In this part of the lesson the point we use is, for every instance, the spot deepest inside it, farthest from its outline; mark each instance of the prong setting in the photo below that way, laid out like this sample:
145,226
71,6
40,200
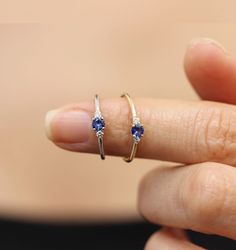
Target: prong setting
137,131
98,125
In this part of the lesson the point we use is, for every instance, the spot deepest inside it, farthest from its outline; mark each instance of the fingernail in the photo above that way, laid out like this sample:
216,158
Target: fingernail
48,121
67,126
206,40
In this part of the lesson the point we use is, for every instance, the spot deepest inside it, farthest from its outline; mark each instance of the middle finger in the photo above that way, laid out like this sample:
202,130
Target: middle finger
200,197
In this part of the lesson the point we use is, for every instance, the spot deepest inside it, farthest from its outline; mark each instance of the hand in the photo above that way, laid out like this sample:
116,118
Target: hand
200,193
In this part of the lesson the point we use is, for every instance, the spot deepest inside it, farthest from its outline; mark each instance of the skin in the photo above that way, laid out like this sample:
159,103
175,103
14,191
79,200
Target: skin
199,192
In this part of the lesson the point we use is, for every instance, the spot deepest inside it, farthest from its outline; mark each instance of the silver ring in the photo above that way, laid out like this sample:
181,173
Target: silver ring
98,125
137,129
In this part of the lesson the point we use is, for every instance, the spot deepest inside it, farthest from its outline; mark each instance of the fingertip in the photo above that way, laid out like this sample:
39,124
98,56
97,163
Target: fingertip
211,70
205,59
206,41
170,238
68,126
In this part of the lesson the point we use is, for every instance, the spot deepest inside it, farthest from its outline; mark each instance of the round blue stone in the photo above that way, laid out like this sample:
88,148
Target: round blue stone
137,131
98,124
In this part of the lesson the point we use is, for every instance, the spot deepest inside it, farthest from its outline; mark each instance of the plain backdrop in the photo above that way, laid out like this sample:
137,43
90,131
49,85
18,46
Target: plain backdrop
56,52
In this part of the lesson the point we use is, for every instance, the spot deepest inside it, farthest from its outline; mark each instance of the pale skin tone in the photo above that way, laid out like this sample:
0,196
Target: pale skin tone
199,192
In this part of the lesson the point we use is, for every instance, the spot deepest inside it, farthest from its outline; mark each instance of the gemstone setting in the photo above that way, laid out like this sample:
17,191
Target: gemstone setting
137,131
98,124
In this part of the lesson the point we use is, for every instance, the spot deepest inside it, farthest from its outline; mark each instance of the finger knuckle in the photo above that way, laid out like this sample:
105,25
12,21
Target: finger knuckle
217,134
207,189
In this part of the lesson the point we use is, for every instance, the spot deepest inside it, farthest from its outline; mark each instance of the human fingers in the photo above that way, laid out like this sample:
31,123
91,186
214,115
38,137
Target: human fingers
179,131
199,197
211,70
170,239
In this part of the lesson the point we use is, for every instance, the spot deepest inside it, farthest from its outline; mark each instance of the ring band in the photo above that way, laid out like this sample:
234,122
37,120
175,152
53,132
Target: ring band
98,125
137,129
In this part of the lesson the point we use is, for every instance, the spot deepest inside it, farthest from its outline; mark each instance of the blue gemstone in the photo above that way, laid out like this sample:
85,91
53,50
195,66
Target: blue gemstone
137,131
98,124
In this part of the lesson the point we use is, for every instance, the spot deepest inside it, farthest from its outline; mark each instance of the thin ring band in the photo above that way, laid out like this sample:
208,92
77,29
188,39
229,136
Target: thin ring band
137,129
98,125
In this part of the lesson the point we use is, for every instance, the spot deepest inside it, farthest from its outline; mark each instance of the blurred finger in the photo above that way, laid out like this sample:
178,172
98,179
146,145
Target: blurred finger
200,197
211,70
170,239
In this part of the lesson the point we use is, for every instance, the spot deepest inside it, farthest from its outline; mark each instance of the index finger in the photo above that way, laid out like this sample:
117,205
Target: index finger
179,131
